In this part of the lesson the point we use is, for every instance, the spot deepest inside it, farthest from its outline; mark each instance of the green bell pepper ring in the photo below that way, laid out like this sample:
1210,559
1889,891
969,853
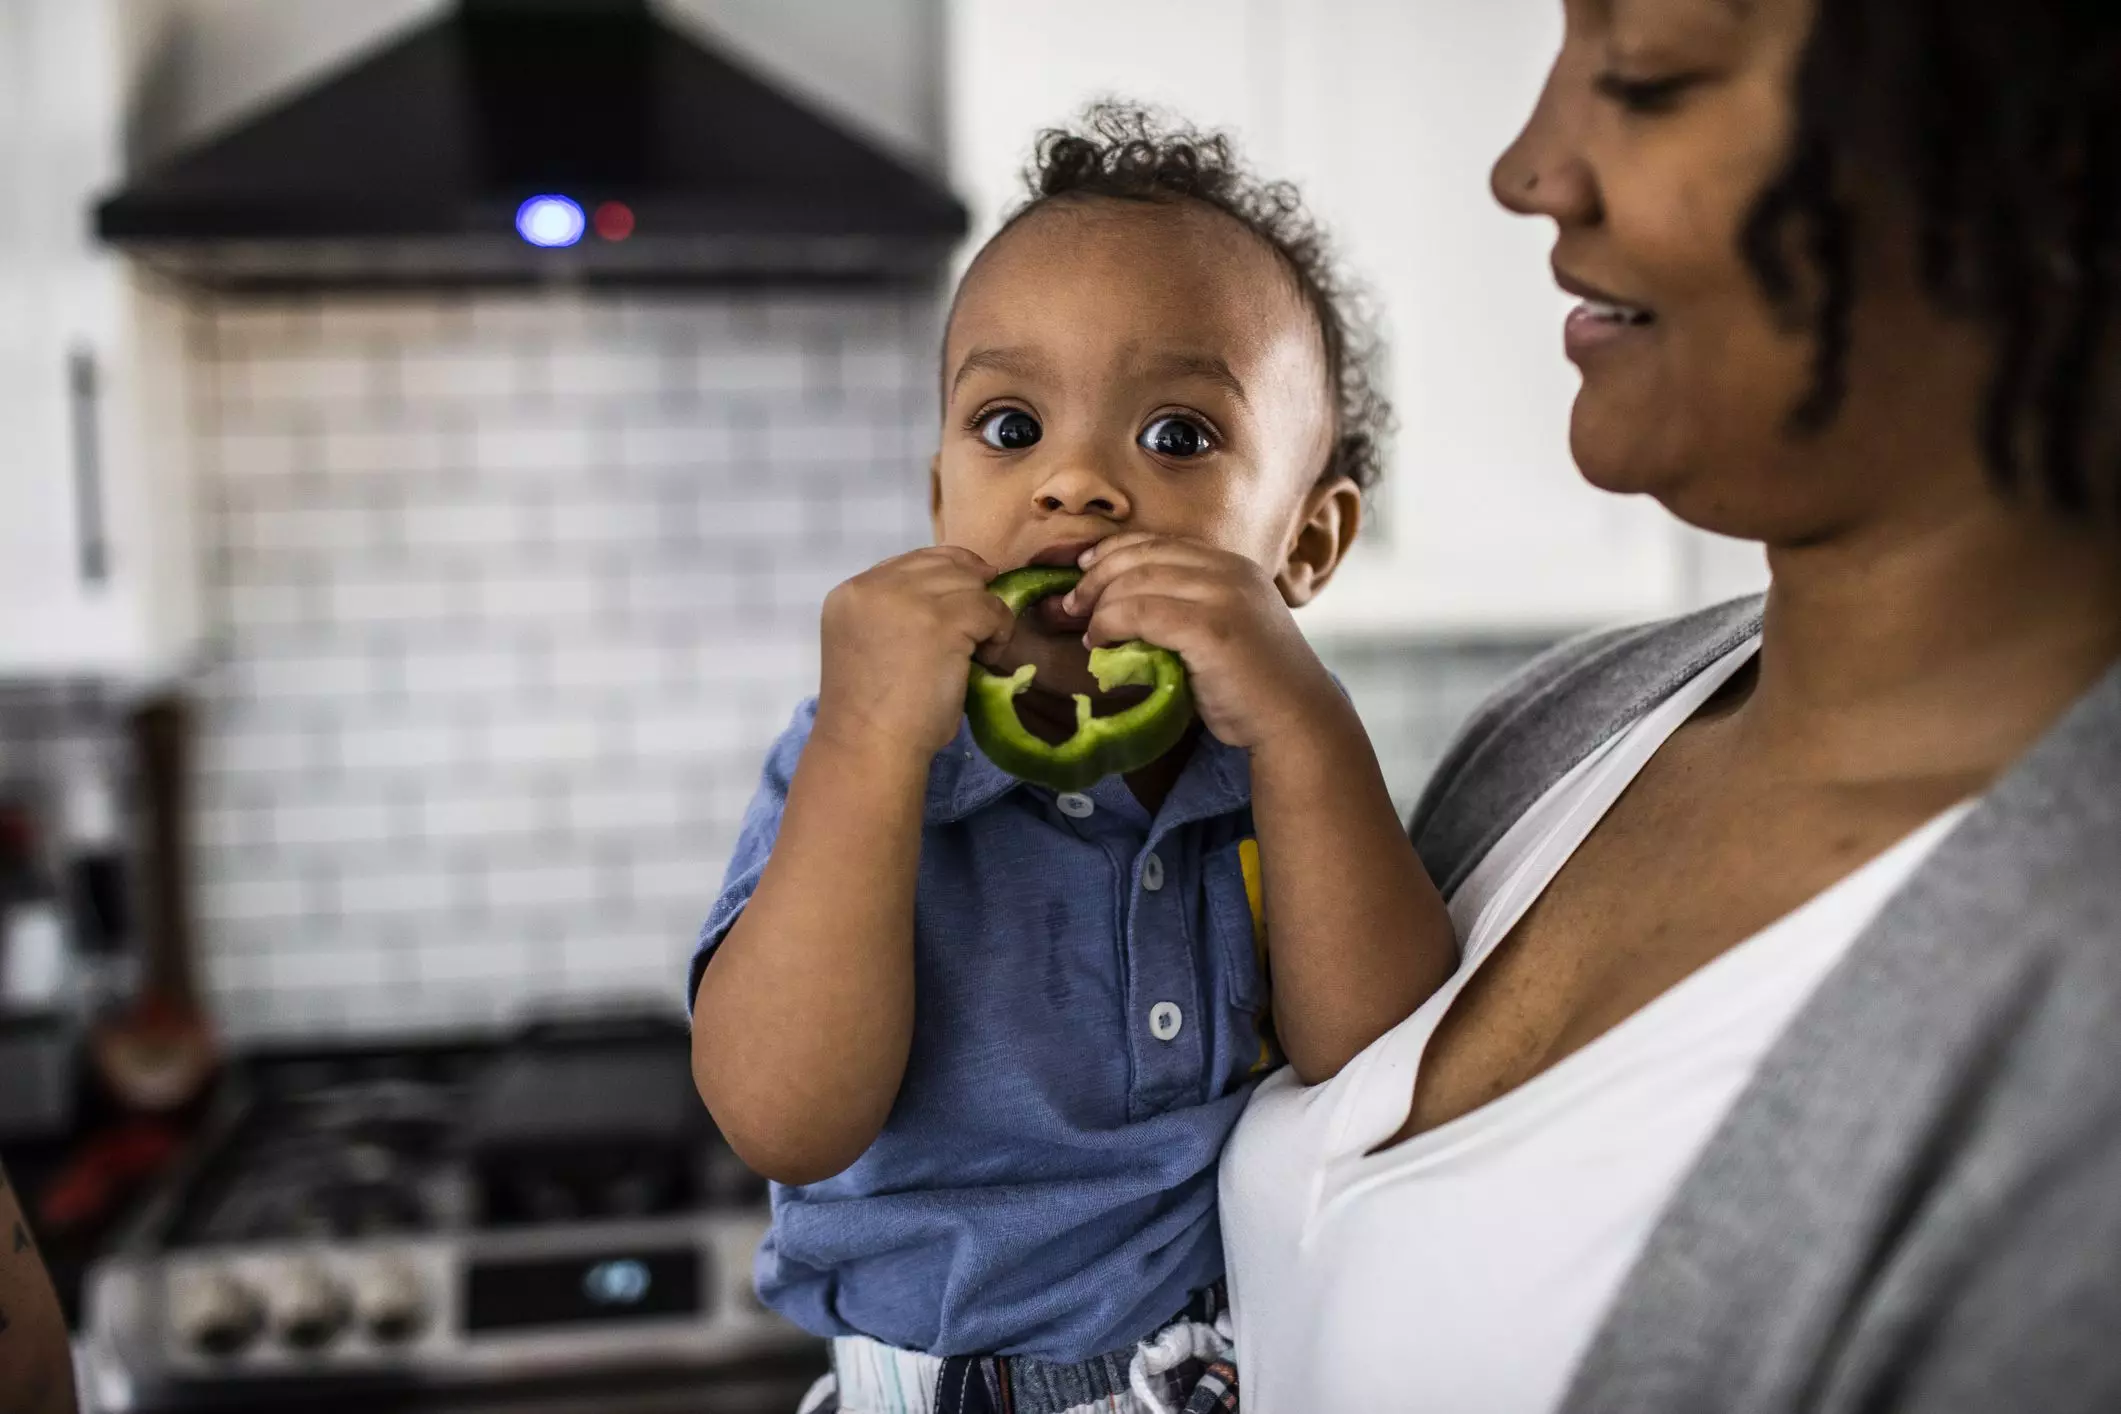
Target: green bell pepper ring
1102,746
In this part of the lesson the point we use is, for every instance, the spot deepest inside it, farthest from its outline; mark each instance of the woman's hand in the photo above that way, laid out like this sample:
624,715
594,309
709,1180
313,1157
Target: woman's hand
895,644
1255,679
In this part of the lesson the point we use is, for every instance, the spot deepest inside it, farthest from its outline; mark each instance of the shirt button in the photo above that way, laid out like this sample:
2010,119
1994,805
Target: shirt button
1165,1019
1076,806
1152,873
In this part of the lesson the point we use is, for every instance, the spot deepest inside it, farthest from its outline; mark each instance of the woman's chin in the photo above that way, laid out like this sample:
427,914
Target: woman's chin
1617,451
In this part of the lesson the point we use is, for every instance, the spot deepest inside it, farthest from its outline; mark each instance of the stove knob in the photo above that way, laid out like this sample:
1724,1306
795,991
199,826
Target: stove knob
392,1305
309,1309
214,1313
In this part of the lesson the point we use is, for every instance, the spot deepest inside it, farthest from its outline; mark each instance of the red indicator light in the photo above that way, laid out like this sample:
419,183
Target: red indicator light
614,220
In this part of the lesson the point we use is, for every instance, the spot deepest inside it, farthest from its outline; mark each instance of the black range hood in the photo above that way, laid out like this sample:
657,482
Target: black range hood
419,165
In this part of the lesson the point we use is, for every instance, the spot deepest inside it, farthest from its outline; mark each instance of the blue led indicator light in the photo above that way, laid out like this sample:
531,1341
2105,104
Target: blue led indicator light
550,221
622,1282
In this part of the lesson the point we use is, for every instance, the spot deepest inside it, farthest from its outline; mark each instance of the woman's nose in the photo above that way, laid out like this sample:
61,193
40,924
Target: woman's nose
1080,489
1544,172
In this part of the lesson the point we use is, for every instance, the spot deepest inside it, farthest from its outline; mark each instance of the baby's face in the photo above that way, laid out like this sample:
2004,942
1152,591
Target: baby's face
1117,366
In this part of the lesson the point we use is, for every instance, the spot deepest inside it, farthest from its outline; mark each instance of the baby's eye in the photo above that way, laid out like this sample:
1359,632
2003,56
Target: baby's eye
1177,437
1010,430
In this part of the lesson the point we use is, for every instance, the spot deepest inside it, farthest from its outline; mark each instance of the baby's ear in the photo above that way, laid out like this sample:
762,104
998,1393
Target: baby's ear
1332,514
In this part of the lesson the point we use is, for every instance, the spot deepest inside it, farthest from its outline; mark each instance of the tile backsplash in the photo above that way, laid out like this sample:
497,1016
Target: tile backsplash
511,594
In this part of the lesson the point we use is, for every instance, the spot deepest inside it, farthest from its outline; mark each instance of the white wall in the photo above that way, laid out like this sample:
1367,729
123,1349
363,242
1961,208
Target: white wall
204,63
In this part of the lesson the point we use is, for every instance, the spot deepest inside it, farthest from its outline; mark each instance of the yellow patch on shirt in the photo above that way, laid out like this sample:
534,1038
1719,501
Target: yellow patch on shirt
1256,897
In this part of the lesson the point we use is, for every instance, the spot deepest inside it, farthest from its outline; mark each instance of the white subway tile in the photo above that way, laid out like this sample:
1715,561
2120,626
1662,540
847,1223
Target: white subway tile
460,374
365,322
607,959
821,439
264,605
267,752
509,319
452,672
655,879
304,967
471,960
529,888
554,740
473,813
421,890
643,807
607,371
260,455
332,822
607,665
394,600
239,899
247,329
722,371
373,746
308,677
558,594
483,522
507,448
692,733
769,513
310,379
646,445
405,454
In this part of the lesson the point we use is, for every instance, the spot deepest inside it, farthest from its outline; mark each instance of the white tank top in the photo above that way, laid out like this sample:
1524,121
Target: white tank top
1466,1269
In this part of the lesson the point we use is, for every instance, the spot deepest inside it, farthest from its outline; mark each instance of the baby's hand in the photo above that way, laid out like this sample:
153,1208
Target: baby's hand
1254,677
896,642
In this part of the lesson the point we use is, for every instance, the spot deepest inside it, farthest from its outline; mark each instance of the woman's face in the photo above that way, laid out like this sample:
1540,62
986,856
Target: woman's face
1660,125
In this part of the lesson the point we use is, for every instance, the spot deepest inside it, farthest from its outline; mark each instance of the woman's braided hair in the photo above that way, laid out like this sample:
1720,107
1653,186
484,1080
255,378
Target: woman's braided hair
1127,152
2000,126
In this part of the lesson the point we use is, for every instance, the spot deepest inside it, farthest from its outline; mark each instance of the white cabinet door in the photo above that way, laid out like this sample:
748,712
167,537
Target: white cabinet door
36,519
1017,67
1389,114
96,569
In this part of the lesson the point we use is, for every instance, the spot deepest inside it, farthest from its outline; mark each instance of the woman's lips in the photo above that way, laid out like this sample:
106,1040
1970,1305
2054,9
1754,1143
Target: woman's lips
1599,325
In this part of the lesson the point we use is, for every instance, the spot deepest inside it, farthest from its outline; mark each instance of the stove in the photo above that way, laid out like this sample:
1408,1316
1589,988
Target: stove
434,1218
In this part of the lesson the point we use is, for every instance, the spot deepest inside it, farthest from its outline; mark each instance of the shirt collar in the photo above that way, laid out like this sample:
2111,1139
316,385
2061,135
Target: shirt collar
962,781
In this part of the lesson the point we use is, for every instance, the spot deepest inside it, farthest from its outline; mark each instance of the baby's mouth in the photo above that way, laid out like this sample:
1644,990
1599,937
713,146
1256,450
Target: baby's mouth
1048,614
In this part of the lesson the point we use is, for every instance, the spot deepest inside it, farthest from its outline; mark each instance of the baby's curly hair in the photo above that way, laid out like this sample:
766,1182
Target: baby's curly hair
1129,152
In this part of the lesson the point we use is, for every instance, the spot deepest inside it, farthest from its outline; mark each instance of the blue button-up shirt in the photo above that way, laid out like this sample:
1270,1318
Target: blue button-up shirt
1089,1004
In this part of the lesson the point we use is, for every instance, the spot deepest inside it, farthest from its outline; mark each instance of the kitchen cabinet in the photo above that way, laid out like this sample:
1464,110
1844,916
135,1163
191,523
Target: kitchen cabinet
97,572
1388,115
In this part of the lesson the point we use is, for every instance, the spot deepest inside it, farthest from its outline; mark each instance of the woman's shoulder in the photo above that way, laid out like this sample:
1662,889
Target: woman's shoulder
1550,715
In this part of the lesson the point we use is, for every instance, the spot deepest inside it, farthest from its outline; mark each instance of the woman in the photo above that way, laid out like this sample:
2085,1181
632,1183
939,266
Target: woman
36,1370
1779,1070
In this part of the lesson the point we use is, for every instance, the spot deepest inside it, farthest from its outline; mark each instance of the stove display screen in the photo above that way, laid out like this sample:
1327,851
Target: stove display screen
513,1293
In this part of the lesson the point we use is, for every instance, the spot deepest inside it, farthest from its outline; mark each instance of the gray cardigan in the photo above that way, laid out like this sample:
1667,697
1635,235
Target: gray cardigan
1916,1205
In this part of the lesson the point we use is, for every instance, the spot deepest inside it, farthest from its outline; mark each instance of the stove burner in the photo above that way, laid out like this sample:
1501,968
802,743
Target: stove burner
363,1159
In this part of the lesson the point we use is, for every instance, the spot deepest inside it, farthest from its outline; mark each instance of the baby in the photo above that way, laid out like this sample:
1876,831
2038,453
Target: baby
986,1038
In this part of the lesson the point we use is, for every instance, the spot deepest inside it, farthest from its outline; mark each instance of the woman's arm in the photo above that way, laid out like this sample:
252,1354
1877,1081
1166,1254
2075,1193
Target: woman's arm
36,1363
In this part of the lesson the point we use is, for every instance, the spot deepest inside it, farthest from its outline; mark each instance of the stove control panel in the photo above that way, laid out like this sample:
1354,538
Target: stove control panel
674,1289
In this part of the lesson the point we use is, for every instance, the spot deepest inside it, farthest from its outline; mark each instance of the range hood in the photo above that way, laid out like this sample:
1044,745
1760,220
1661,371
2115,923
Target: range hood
523,141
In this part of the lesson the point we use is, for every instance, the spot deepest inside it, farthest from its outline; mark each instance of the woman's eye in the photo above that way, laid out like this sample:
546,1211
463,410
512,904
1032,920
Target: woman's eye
1174,437
1010,430
1646,96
